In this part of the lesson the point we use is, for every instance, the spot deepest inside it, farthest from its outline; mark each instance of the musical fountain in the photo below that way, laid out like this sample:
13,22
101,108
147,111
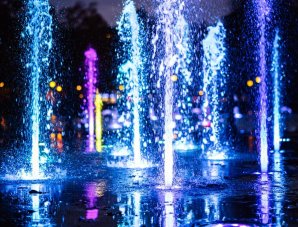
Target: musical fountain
202,187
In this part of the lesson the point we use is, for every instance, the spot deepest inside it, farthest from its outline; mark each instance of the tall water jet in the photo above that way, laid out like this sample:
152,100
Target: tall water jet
262,10
170,54
91,60
131,79
98,121
38,37
277,77
214,80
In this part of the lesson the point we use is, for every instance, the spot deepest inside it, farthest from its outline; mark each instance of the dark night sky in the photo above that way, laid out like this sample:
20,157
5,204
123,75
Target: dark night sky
201,9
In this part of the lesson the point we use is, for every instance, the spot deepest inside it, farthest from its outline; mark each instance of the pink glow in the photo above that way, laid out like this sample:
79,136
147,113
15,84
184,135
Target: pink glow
90,78
92,212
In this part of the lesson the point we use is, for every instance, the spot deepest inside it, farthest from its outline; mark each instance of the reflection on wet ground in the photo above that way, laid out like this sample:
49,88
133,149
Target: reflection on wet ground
215,193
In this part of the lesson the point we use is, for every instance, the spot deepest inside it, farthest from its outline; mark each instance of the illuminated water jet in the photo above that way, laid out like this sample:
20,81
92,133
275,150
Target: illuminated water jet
38,35
98,121
262,9
214,80
277,77
91,60
171,56
131,81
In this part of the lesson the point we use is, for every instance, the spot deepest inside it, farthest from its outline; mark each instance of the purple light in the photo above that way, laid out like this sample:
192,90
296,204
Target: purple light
92,212
90,78
263,10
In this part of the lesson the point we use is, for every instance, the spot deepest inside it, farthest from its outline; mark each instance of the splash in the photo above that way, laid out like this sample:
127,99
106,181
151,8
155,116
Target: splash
214,80
184,126
38,35
171,56
277,95
131,80
98,121
262,10
90,77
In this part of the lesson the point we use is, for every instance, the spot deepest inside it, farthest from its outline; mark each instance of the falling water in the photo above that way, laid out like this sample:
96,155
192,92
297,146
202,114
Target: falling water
214,80
184,127
262,10
90,78
171,56
131,76
38,35
277,96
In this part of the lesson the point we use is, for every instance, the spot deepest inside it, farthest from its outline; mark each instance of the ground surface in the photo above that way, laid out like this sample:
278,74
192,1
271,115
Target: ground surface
211,192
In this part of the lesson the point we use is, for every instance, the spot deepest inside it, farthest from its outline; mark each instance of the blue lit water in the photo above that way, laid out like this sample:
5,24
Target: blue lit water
170,71
132,85
262,13
38,41
277,89
214,144
212,192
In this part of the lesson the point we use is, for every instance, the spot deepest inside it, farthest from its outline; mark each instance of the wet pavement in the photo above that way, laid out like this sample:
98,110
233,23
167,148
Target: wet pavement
210,192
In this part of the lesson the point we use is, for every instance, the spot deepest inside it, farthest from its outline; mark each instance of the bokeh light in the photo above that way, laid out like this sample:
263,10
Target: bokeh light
121,87
174,78
201,93
258,79
79,88
52,84
250,83
59,136
59,88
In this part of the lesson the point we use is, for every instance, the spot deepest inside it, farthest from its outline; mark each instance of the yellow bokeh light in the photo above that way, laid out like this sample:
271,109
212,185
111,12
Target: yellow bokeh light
113,100
121,87
258,79
59,136
174,78
250,83
53,136
81,96
2,84
201,93
52,84
59,88
79,88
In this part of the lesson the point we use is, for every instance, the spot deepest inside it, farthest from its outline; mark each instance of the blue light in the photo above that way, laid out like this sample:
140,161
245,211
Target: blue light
131,80
214,82
38,34
262,11
171,59
277,77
